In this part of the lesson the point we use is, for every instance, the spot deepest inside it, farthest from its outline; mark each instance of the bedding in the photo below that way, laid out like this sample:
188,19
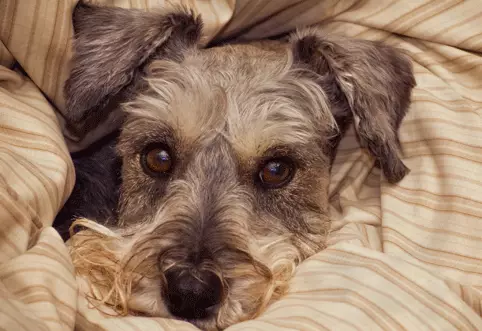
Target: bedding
405,256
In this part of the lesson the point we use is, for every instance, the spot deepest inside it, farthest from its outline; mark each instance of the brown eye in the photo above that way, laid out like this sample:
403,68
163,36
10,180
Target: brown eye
157,160
276,173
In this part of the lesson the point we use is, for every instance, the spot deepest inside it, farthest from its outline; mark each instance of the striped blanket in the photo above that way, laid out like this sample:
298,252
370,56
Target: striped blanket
400,257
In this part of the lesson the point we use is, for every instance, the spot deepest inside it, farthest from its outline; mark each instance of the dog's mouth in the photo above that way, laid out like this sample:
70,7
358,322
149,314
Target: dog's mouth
211,295
203,318
193,311
196,316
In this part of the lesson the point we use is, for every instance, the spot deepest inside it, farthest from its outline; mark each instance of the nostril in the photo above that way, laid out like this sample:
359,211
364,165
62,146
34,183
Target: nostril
191,293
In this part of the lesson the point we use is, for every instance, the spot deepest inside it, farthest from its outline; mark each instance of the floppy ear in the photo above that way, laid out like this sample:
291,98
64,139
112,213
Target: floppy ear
111,48
366,82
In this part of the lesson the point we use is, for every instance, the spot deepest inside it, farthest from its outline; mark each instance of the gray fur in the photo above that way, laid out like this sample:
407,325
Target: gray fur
223,112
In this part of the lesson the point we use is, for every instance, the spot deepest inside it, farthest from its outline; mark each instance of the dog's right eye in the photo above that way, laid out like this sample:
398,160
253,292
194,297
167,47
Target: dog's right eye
276,173
157,160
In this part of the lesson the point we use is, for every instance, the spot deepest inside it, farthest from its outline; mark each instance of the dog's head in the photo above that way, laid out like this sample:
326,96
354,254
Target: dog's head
226,152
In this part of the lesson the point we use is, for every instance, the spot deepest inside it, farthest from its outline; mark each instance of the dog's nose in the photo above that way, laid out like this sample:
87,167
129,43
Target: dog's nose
191,294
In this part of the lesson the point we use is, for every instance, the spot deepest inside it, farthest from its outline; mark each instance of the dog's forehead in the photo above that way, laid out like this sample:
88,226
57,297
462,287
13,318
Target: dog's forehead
233,65
248,93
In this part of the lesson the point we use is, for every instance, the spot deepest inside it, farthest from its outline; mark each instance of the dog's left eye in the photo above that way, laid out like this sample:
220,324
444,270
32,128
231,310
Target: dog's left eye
276,173
157,160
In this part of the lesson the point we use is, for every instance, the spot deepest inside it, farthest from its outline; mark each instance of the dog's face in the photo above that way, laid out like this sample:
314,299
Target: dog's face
226,169
226,157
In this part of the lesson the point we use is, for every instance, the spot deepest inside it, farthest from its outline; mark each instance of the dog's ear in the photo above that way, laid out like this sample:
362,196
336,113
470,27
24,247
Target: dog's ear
366,82
111,48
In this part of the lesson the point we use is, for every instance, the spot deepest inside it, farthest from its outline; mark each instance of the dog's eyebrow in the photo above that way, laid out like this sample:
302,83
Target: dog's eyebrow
140,132
293,151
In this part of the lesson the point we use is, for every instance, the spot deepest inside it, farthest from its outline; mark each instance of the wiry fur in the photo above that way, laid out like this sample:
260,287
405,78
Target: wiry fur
112,47
373,80
222,112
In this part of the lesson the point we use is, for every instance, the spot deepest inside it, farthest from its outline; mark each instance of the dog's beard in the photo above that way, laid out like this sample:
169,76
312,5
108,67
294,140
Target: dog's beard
125,273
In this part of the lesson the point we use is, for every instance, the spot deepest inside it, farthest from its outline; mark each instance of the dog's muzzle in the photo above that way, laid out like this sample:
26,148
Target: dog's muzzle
192,294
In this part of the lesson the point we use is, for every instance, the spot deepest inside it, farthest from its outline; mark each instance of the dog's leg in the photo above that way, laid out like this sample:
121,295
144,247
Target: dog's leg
96,192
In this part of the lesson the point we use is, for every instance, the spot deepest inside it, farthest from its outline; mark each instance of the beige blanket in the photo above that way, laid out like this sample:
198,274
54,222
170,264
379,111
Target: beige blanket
400,257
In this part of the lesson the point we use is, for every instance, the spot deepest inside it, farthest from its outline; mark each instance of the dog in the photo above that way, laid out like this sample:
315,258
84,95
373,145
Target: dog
215,185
